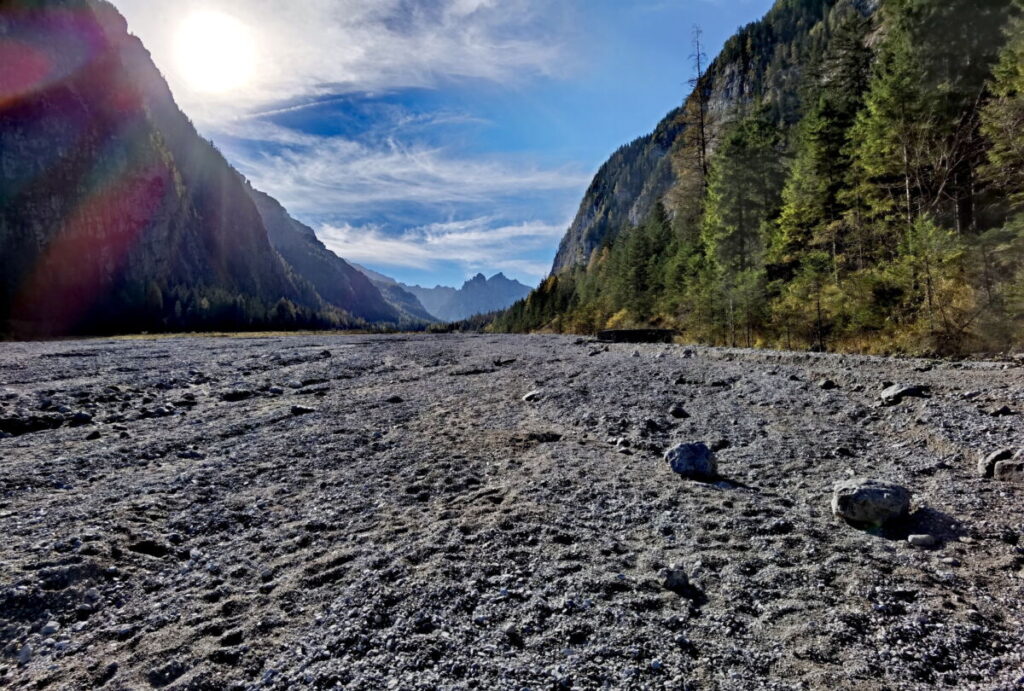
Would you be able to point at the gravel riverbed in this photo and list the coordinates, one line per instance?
(496, 512)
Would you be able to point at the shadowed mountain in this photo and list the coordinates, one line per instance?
(397, 296)
(332, 277)
(116, 215)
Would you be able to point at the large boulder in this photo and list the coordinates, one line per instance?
(870, 502)
(694, 461)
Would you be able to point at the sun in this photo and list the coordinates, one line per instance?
(215, 52)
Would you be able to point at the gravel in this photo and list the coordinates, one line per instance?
(468, 538)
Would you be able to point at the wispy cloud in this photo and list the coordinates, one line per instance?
(474, 244)
(316, 48)
(328, 174)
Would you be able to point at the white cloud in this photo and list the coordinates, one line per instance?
(311, 48)
(334, 174)
(475, 244)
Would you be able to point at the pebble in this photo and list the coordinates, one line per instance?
(50, 628)
(25, 654)
(298, 410)
(532, 396)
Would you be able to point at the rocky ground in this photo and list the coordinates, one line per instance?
(390, 513)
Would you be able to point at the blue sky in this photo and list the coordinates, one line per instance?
(434, 139)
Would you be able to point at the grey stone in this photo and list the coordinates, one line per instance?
(25, 654)
(532, 396)
(870, 502)
(693, 461)
(923, 541)
(50, 628)
(987, 464)
(897, 392)
(827, 385)
(676, 579)
(1010, 471)
(81, 418)
(679, 412)
(298, 410)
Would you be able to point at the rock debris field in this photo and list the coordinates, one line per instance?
(504, 512)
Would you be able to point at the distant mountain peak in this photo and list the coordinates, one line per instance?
(478, 295)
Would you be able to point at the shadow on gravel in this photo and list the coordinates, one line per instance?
(924, 521)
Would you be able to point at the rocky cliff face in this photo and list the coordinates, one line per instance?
(114, 213)
(762, 59)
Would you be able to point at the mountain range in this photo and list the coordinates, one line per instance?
(479, 295)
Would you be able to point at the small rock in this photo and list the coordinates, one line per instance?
(922, 541)
(191, 455)
(679, 412)
(532, 396)
(1010, 471)
(275, 391)
(81, 419)
(93, 436)
(1004, 411)
(827, 385)
(987, 464)
(870, 502)
(234, 395)
(25, 654)
(50, 628)
(676, 579)
(897, 392)
(693, 461)
(298, 410)
(395, 399)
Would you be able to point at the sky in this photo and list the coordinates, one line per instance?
(430, 139)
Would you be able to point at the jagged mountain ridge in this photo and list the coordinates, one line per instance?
(479, 295)
(116, 214)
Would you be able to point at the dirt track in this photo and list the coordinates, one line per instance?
(373, 513)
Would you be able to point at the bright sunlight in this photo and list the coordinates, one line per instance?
(216, 53)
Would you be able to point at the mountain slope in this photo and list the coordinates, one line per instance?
(332, 277)
(640, 174)
(397, 295)
(115, 215)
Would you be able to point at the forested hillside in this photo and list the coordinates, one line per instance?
(845, 175)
